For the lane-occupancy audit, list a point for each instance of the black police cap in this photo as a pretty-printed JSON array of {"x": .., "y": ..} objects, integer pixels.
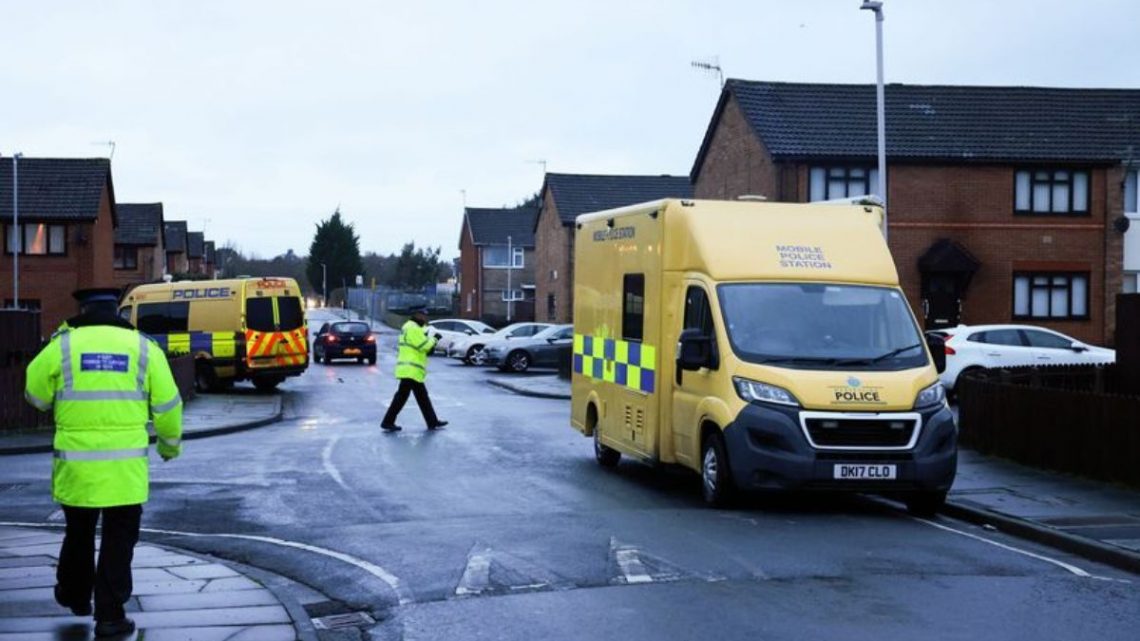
[{"x": 97, "y": 294}]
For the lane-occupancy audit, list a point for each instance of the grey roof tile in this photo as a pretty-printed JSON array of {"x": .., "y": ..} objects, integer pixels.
[
  {"x": 940, "y": 122},
  {"x": 56, "y": 188},
  {"x": 576, "y": 194},
  {"x": 175, "y": 236},
  {"x": 493, "y": 226},
  {"x": 139, "y": 224}
]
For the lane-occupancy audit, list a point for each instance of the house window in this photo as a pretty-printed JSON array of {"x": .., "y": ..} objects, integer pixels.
[
  {"x": 550, "y": 307},
  {"x": 1131, "y": 280},
  {"x": 126, "y": 257},
  {"x": 633, "y": 307},
  {"x": 517, "y": 256},
  {"x": 1049, "y": 191},
  {"x": 510, "y": 295},
  {"x": 1057, "y": 295},
  {"x": 828, "y": 183},
  {"x": 36, "y": 239},
  {"x": 470, "y": 296},
  {"x": 1131, "y": 204}
]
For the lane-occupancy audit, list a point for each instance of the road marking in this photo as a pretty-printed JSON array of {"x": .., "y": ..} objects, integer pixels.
[
  {"x": 56, "y": 517},
  {"x": 477, "y": 574},
  {"x": 1040, "y": 557},
  {"x": 629, "y": 562},
  {"x": 392, "y": 581},
  {"x": 326, "y": 459}
]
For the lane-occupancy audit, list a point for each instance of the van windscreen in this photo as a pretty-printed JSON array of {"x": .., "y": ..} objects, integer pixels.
[
  {"x": 259, "y": 315},
  {"x": 818, "y": 326},
  {"x": 289, "y": 313}
]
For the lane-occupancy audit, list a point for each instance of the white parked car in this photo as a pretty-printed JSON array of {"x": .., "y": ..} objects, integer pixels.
[
  {"x": 984, "y": 346},
  {"x": 453, "y": 329},
  {"x": 470, "y": 349}
]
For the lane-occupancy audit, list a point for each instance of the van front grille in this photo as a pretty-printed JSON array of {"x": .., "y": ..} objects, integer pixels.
[{"x": 841, "y": 432}]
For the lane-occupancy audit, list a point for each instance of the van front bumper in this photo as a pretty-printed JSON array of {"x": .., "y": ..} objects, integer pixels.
[{"x": 768, "y": 450}]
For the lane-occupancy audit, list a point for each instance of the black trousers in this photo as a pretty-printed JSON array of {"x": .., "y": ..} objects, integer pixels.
[
  {"x": 410, "y": 386},
  {"x": 77, "y": 574}
]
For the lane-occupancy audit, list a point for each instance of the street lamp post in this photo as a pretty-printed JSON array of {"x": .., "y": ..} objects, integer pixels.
[
  {"x": 877, "y": 7},
  {"x": 16, "y": 239},
  {"x": 324, "y": 286},
  {"x": 510, "y": 266}
]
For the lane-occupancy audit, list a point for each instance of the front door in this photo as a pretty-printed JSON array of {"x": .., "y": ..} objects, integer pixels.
[{"x": 942, "y": 300}]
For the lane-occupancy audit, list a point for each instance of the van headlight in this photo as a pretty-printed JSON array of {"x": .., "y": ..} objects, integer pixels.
[
  {"x": 756, "y": 391},
  {"x": 933, "y": 395}
]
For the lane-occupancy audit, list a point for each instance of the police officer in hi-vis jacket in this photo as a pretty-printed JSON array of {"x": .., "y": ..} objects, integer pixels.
[
  {"x": 103, "y": 380},
  {"x": 411, "y": 369}
]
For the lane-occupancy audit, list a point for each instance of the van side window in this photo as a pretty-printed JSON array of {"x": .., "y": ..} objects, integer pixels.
[
  {"x": 698, "y": 315},
  {"x": 125, "y": 313},
  {"x": 163, "y": 318},
  {"x": 633, "y": 307}
]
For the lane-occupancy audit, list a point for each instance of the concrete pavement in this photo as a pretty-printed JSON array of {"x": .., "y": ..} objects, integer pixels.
[
  {"x": 177, "y": 596},
  {"x": 206, "y": 415},
  {"x": 1096, "y": 520}
]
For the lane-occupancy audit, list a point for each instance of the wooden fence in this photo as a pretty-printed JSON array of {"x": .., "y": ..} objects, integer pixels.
[
  {"x": 19, "y": 344},
  {"x": 1054, "y": 418}
]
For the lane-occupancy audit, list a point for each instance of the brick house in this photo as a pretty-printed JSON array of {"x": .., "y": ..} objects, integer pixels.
[
  {"x": 65, "y": 237},
  {"x": 140, "y": 256},
  {"x": 564, "y": 198},
  {"x": 177, "y": 259},
  {"x": 196, "y": 252},
  {"x": 496, "y": 265},
  {"x": 1004, "y": 203}
]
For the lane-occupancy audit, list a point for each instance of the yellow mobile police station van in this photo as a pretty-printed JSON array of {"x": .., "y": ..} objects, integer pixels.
[
  {"x": 766, "y": 346},
  {"x": 237, "y": 329}
]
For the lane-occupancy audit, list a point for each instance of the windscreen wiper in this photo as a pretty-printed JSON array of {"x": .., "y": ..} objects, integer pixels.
[
  {"x": 797, "y": 359},
  {"x": 876, "y": 359}
]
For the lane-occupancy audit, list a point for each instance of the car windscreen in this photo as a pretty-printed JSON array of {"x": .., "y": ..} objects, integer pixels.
[
  {"x": 817, "y": 326},
  {"x": 350, "y": 328}
]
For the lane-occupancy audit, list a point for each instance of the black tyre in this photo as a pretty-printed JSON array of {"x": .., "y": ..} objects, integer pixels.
[
  {"x": 518, "y": 361},
  {"x": 925, "y": 504},
  {"x": 716, "y": 476},
  {"x": 371, "y": 360},
  {"x": 318, "y": 355},
  {"x": 605, "y": 456},
  {"x": 266, "y": 384},
  {"x": 469, "y": 359}
]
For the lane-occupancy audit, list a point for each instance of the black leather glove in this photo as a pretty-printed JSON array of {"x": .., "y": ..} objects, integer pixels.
[{"x": 438, "y": 337}]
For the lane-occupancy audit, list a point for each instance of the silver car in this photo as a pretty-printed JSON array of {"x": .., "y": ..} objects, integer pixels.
[{"x": 541, "y": 350}]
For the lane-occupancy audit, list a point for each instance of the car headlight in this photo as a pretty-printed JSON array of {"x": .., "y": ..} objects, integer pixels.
[
  {"x": 756, "y": 391},
  {"x": 933, "y": 395}
]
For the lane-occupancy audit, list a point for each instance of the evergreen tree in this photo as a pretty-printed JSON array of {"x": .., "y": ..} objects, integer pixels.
[{"x": 338, "y": 247}]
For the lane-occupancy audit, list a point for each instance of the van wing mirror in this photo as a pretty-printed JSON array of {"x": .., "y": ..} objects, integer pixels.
[
  {"x": 937, "y": 346},
  {"x": 694, "y": 350}
]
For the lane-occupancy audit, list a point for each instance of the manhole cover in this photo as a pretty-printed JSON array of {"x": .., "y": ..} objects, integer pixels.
[{"x": 341, "y": 621}]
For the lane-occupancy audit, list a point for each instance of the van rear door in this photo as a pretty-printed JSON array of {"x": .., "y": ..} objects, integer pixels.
[{"x": 275, "y": 329}]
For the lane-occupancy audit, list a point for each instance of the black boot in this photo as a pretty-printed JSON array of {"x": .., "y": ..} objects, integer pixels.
[{"x": 123, "y": 626}]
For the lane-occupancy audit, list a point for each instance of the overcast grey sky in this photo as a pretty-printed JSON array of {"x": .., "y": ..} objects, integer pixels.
[{"x": 262, "y": 116}]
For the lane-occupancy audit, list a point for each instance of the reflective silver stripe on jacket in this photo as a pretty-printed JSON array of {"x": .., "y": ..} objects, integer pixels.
[
  {"x": 144, "y": 352},
  {"x": 95, "y": 395},
  {"x": 167, "y": 406},
  {"x": 42, "y": 406},
  {"x": 65, "y": 360},
  {"x": 101, "y": 455},
  {"x": 170, "y": 442},
  {"x": 411, "y": 364}
]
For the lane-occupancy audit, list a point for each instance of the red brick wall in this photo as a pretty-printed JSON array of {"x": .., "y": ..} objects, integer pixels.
[
  {"x": 970, "y": 204},
  {"x": 52, "y": 279},
  {"x": 736, "y": 162},
  {"x": 554, "y": 251},
  {"x": 468, "y": 274}
]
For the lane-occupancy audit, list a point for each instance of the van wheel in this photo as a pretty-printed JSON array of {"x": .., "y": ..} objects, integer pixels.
[
  {"x": 605, "y": 456},
  {"x": 716, "y": 477},
  {"x": 925, "y": 504},
  {"x": 266, "y": 384},
  {"x": 205, "y": 379}
]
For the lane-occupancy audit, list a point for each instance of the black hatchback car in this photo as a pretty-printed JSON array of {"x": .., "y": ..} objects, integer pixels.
[{"x": 345, "y": 339}]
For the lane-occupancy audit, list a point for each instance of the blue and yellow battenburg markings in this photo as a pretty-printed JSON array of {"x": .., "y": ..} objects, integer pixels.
[
  {"x": 217, "y": 344},
  {"x": 626, "y": 363}
]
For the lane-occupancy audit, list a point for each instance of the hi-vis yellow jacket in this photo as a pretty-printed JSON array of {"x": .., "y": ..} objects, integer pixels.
[
  {"x": 414, "y": 347},
  {"x": 104, "y": 383}
]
